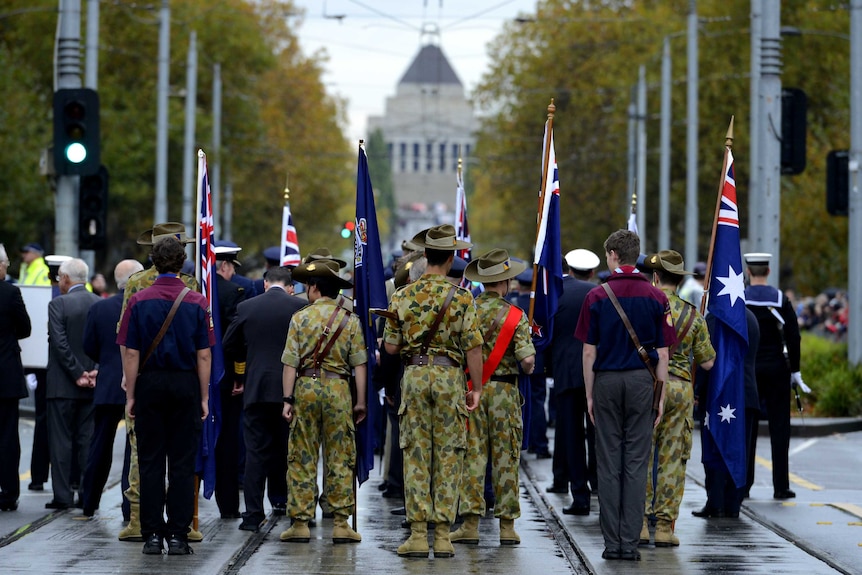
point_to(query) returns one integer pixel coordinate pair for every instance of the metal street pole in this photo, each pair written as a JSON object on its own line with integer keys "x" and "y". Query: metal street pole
{"x": 641, "y": 163}
{"x": 755, "y": 194}
{"x": 691, "y": 215}
{"x": 664, "y": 144}
{"x": 854, "y": 242}
{"x": 68, "y": 76}
{"x": 770, "y": 136}
{"x": 632, "y": 139}
{"x": 160, "y": 213}
{"x": 215, "y": 166}
{"x": 91, "y": 80}
{"x": 189, "y": 155}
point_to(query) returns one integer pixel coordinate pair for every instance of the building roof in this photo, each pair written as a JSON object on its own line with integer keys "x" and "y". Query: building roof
{"x": 430, "y": 67}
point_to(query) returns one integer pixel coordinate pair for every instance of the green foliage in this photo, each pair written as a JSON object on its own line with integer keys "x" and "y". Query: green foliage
{"x": 836, "y": 386}
{"x": 276, "y": 119}
{"x": 586, "y": 56}
{"x": 380, "y": 169}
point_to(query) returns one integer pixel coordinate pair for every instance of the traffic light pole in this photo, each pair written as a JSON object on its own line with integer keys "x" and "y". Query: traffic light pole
{"x": 68, "y": 76}
{"x": 854, "y": 245}
{"x": 769, "y": 240}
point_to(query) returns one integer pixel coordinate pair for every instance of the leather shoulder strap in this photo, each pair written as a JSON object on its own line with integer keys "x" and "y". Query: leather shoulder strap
{"x": 682, "y": 327}
{"x": 427, "y": 341}
{"x": 319, "y": 359}
{"x": 320, "y": 338}
{"x": 165, "y": 326}
{"x": 640, "y": 348}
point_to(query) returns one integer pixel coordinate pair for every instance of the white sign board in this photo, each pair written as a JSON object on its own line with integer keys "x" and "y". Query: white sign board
{"x": 34, "y": 349}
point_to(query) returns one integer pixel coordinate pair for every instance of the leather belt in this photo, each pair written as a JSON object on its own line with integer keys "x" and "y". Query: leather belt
{"x": 423, "y": 359}
{"x": 318, "y": 373}
{"x": 510, "y": 378}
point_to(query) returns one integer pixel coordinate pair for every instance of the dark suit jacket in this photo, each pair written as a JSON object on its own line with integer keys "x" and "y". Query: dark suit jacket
{"x": 567, "y": 351}
{"x": 258, "y": 336}
{"x": 100, "y": 344}
{"x": 14, "y": 325}
{"x": 67, "y": 316}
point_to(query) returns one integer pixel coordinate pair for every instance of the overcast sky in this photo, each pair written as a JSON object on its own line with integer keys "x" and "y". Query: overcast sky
{"x": 371, "y": 43}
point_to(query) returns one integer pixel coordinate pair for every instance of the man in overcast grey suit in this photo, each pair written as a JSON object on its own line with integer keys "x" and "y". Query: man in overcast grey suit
{"x": 257, "y": 336}
{"x": 71, "y": 379}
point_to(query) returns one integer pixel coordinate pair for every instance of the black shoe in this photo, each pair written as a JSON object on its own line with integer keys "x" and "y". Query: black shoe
{"x": 9, "y": 506}
{"x": 250, "y": 525}
{"x": 633, "y": 555}
{"x": 36, "y": 486}
{"x": 544, "y": 455}
{"x": 399, "y": 511}
{"x": 54, "y": 504}
{"x": 391, "y": 493}
{"x": 177, "y": 546}
{"x": 708, "y": 512}
{"x": 405, "y": 524}
{"x": 234, "y": 515}
{"x": 784, "y": 494}
{"x": 576, "y": 510}
{"x": 611, "y": 555}
{"x": 153, "y": 546}
{"x": 553, "y": 488}
{"x": 279, "y": 509}
{"x": 383, "y": 486}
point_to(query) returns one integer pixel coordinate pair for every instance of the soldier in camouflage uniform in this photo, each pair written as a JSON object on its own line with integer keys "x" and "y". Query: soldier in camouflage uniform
{"x": 495, "y": 428}
{"x": 433, "y": 412}
{"x": 324, "y": 343}
{"x": 137, "y": 282}
{"x": 672, "y": 436}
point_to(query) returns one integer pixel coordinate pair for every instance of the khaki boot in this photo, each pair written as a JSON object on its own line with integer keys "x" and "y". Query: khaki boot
{"x": 468, "y": 533}
{"x": 194, "y": 535}
{"x": 508, "y": 535}
{"x": 132, "y": 531}
{"x": 664, "y": 536}
{"x": 342, "y": 532}
{"x": 442, "y": 544}
{"x": 644, "y": 538}
{"x": 417, "y": 544}
{"x": 297, "y": 533}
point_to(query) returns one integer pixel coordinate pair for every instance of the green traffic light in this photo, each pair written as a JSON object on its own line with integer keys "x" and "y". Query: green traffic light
{"x": 76, "y": 153}
{"x": 345, "y": 233}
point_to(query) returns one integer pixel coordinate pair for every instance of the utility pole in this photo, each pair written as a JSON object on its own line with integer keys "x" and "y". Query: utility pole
{"x": 770, "y": 137}
{"x": 691, "y": 215}
{"x": 215, "y": 166}
{"x": 641, "y": 163}
{"x": 160, "y": 213}
{"x": 664, "y": 156}
{"x": 68, "y": 76}
{"x": 227, "y": 226}
{"x": 755, "y": 194}
{"x": 91, "y": 80}
{"x": 854, "y": 243}
{"x": 189, "y": 143}
{"x": 632, "y": 138}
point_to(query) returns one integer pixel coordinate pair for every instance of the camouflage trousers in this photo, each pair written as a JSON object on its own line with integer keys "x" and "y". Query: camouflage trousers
{"x": 133, "y": 493}
{"x": 323, "y": 413}
{"x": 672, "y": 441}
{"x": 433, "y": 416}
{"x": 495, "y": 431}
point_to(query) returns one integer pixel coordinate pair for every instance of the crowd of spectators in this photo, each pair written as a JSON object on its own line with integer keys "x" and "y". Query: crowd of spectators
{"x": 825, "y": 314}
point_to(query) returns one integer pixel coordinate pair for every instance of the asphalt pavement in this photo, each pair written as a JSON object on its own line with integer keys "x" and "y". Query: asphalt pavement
{"x": 819, "y": 532}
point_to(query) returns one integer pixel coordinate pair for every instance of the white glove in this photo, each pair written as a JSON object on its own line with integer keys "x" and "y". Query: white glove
{"x": 796, "y": 381}
{"x": 32, "y": 382}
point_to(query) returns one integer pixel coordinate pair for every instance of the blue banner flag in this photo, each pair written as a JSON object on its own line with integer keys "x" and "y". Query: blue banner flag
{"x": 206, "y": 275}
{"x": 369, "y": 291}
{"x": 548, "y": 261}
{"x": 725, "y": 407}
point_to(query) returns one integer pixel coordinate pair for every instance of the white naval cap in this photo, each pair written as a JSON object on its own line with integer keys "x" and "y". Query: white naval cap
{"x": 581, "y": 259}
{"x": 56, "y": 260}
{"x": 757, "y": 258}
{"x": 227, "y": 253}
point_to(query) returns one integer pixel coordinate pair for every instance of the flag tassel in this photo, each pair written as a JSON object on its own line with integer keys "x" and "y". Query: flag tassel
{"x": 728, "y": 144}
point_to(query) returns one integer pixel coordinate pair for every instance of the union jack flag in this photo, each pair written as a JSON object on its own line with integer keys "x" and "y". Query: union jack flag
{"x": 205, "y": 272}
{"x": 289, "y": 242}
{"x": 724, "y": 427}
{"x": 462, "y": 227}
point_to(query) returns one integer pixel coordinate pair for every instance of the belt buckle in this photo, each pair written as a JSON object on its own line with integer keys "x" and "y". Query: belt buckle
{"x": 424, "y": 359}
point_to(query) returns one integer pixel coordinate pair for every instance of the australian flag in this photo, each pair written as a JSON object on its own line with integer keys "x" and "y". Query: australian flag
{"x": 205, "y": 271}
{"x": 289, "y": 242}
{"x": 369, "y": 291}
{"x": 462, "y": 227}
{"x": 724, "y": 425}
{"x": 548, "y": 257}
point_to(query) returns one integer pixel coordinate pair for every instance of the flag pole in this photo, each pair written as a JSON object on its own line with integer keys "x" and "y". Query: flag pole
{"x": 545, "y": 160}
{"x": 202, "y": 158}
{"x": 353, "y": 293}
{"x": 728, "y": 144}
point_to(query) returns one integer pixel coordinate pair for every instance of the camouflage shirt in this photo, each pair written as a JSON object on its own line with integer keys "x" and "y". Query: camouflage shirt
{"x": 144, "y": 279}
{"x": 488, "y": 306}
{"x": 696, "y": 342}
{"x": 417, "y": 304}
{"x": 305, "y": 328}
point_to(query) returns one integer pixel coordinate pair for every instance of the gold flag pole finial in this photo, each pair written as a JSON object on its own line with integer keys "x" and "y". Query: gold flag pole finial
{"x": 728, "y": 139}
{"x": 634, "y": 203}
{"x": 361, "y": 143}
{"x": 551, "y": 109}
{"x": 287, "y": 187}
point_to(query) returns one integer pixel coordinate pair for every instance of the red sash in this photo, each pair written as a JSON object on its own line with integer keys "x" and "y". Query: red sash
{"x": 504, "y": 338}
